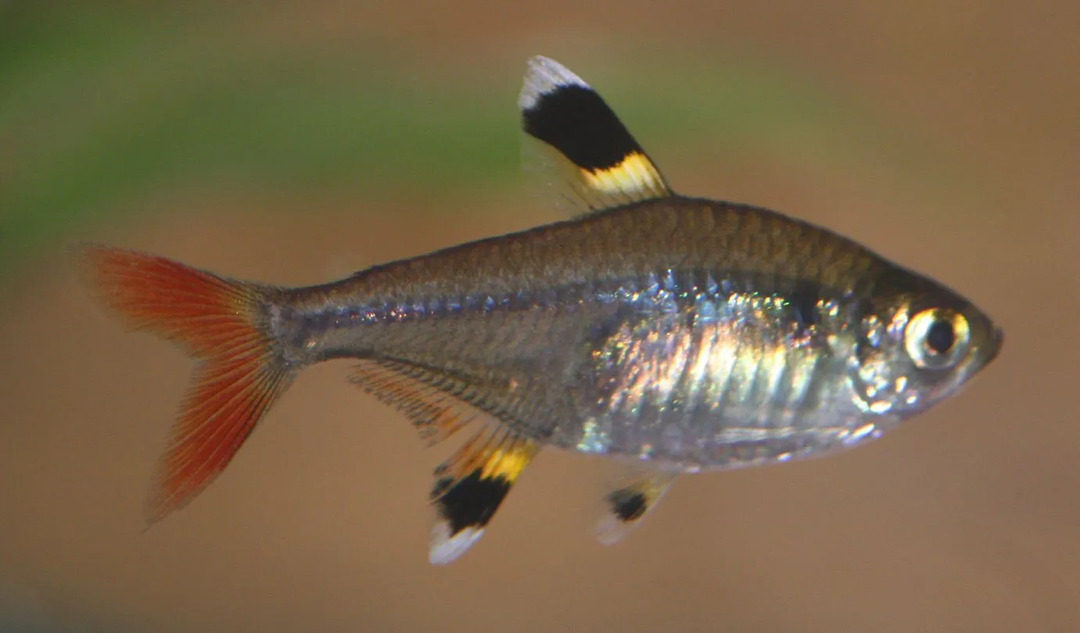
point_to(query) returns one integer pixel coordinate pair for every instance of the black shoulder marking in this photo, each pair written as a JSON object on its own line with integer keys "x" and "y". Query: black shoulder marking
{"x": 804, "y": 303}
{"x": 577, "y": 122}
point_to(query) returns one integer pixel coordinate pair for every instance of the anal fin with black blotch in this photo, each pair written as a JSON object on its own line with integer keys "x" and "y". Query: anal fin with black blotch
{"x": 587, "y": 154}
{"x": 470, "y": 486}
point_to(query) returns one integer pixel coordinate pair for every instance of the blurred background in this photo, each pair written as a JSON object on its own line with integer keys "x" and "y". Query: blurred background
{"x": 295, "y": 142}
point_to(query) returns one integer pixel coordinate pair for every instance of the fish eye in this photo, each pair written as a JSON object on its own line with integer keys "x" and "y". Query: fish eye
{"x": 937, "y": 338}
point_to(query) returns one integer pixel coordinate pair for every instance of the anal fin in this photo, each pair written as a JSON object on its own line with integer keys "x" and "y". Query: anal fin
{"x": 470, "y": 486}
{"x": 435, "y": 402}
{"x": 627, "y": 504}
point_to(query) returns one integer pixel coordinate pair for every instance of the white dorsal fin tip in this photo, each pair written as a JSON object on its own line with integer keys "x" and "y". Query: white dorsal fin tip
{"x": 543, "y": 76}
{"x": 444, "y": 548}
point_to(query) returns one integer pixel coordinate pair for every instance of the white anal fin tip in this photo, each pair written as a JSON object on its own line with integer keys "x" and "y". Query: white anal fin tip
{"x": 543, "y": 76}
{"x": 445, "y": 547}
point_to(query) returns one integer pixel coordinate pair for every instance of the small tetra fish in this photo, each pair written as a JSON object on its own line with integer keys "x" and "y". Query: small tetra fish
{"x": 679, "y": 334}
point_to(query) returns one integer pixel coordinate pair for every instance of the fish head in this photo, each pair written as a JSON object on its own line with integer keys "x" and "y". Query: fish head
{"x": 917, "y": 343}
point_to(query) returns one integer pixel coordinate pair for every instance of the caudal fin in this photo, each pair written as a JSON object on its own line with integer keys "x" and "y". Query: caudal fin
{"x": 217, "y": 321}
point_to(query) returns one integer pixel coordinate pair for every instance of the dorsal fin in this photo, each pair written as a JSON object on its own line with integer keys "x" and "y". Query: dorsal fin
{"x": 597, "y": 164}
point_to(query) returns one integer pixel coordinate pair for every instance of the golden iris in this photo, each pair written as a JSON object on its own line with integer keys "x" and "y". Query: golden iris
{"x": 937, "y": 338}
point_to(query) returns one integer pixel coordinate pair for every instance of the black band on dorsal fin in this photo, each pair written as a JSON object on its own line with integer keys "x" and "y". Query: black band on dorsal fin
{"x": 577, "y": 122}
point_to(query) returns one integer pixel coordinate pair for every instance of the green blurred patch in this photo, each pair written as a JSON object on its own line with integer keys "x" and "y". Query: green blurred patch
{"x": 102, "y": 104}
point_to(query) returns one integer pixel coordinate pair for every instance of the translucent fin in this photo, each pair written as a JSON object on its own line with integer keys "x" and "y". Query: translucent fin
{"x": 588, "y": 155}
{"x": 435, "y": 403}
{"x": 470, "y": 486}
{"x": 214, "y": 319}
{"x": 626, "y": 505}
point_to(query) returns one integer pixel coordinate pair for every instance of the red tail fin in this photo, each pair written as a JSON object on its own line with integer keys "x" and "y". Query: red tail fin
{"x": 216, "y": 320}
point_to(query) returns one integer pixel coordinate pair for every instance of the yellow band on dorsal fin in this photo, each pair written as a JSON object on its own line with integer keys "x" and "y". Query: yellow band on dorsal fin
{"x": 635, "y": 178}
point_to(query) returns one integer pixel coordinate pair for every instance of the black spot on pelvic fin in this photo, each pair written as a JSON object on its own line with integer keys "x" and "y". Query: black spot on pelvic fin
{"x": 471, "y": 501}
{"x": 627, "y": 504}
{"x": 577, "y": 122}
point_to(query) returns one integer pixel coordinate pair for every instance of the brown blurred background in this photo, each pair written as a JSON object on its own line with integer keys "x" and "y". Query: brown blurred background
{"x": 294, "y": 142}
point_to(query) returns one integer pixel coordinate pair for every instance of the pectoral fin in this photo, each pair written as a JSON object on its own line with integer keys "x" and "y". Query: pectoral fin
{"x": 626, "y": 505}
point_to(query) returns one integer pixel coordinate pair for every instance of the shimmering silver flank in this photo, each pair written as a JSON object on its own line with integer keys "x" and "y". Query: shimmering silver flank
{"x": 694, "y": 378}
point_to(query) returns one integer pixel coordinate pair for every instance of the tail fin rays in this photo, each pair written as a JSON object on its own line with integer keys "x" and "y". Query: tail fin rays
{"x": 227, "y": 398}
{"x": 216, "y": 320}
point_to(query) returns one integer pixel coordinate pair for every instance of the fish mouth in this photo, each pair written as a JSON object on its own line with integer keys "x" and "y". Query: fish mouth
{"x": 996, "y": 340}
{"x": 990, "y": 350}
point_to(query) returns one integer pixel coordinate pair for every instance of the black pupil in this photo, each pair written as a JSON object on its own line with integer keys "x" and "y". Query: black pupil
{"x": 940, "y": 337}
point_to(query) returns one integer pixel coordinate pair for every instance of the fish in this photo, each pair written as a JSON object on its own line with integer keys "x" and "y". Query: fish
{"x": 669, "y": 333}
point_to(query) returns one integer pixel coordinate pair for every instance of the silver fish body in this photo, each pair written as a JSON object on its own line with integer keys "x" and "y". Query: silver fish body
{"x": 679, "y": 334}
{"x": 690, "y": 333}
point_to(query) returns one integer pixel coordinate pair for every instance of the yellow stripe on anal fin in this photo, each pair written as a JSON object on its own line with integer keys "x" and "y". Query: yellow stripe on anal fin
{"x": 509, "y": 463}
